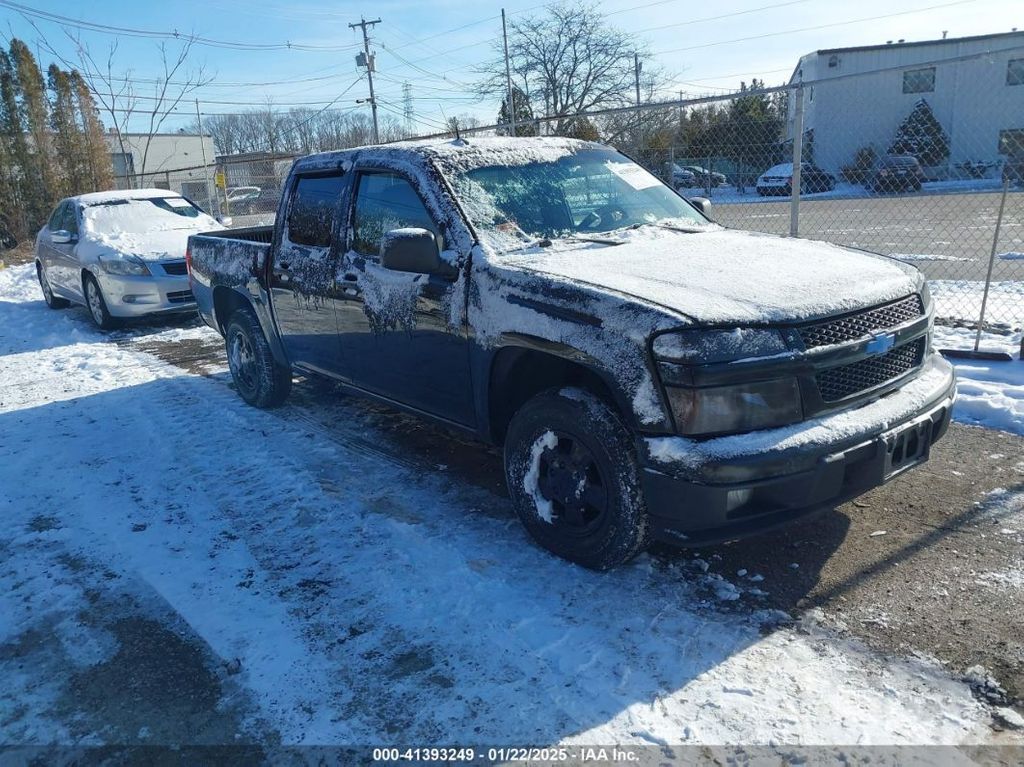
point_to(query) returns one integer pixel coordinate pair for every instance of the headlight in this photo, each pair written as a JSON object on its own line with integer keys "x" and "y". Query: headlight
{"x": 698, "y": 347}
{"x": 123, "y": 265}
{"x": 738, "y": 408}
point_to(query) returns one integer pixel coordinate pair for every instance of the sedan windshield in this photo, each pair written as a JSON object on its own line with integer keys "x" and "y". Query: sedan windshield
{"x": 140, "y": 216}
{"x": 585, "y": 193}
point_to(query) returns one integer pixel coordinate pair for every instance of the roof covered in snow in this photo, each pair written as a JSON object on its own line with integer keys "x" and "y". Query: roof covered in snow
{"x": 474, "y": 151}
{"x": 115, "y": 195}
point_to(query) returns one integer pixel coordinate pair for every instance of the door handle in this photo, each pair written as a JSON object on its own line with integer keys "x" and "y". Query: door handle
{"x": 283, "y": 265}
{"x": 351, "y": 277}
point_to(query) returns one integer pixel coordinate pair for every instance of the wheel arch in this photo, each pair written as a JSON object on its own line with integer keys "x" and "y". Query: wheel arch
{"x": 526, "y": 366}
{"x": 226, "y": 301}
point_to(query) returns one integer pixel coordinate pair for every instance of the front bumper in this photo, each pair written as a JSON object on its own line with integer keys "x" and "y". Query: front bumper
{"x": 701, "y": 492}
{"x": 138, "y": 296}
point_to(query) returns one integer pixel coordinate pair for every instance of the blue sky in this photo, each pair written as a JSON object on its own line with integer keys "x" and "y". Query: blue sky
{"x": 435, "y": 45}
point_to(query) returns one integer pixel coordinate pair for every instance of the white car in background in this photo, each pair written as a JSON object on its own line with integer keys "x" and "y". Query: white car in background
{"x": 121, "y": 254}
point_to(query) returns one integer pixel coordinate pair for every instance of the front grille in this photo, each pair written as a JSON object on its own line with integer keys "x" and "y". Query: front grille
{"x": 177, "y": 268}
{"x": 856, "y": 326}
{"x": 180, "y": 296}
{"x": 846, "y": 380}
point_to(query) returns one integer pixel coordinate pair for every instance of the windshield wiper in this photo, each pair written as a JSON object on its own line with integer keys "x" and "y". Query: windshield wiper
{"x": 683, "y": 229}
{"x": 598, "y": 240}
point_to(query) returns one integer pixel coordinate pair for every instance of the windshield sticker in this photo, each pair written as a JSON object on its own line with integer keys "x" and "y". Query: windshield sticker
{"x": 633, "y": 174}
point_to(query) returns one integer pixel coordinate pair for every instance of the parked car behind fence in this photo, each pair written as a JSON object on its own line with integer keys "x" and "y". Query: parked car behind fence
{"x": 779, "y": 180}
{"x": 896, "y": 173}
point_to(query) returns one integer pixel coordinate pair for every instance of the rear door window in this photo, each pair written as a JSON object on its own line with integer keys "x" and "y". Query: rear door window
{"x": 313, "y": 211}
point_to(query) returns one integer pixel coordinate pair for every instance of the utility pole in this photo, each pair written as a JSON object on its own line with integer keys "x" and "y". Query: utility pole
{"x": 368, "y": 63}
{"x": 508, "y": 76}
{"x": 206, "y": 169}
{"x": 637, "y": 66}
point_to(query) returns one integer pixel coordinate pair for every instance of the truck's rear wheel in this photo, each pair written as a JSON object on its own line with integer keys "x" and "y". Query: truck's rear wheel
{"x": 259, "y": 378}
{"x": 573, "y": 476}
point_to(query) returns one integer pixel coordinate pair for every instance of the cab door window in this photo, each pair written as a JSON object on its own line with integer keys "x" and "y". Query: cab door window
{"x": 386, "y": 201}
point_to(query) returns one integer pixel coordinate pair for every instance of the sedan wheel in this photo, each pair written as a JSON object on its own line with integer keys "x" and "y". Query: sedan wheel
{"x": 51, "y": 300}
{"x": 97, "y": 305}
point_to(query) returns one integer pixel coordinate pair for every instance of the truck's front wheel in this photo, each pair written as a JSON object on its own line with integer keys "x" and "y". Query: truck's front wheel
{"x": 573, "y": 477}
{"x": 260, "y": 379}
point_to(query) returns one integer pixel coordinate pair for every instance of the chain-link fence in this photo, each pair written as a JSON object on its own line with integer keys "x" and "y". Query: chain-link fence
{"x": 923, "y": 163}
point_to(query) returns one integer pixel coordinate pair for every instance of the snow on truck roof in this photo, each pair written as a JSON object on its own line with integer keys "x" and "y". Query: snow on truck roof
{"x": 116, "y": 195}
{"x": 460, "y": 153}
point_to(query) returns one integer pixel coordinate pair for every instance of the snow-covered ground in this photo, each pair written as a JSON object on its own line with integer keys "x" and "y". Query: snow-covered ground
{"x": 360, "y": 593}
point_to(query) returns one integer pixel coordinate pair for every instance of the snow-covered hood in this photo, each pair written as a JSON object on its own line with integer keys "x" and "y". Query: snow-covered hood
{"x": 725, "y": 276}
{"x": 155, "y": 245}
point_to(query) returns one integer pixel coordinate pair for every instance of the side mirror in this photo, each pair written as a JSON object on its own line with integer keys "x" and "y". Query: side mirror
{"x": 412, "y": 250}
{"x": 61, "y": 237}
{"x": 225, "y": 220}
{"x": 703, "y": 204}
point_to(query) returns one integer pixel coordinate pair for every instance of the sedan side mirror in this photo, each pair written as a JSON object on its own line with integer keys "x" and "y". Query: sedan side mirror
{"x": 412, "y": 250}
{"x": 225, "y": 220}
{"x": 61, "y": 237}
{"x": 703, "y": 204}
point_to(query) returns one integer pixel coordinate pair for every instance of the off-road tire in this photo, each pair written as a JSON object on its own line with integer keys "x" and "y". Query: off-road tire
{"x": 52, "y": 301}
{"x": 96, "y": 304}
{"x": 259, "y": 379}
{"x": 616, "y": 534}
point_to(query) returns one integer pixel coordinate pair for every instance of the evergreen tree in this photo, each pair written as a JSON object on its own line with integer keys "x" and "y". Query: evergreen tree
{"x": 921, "y": 135}
{"x": 97, "y": 153}
{"x": 34, "y": 111}
{"x": 523, "y": 115}
{"x": 21, "y": 190}
{"x": 67, "y": 139}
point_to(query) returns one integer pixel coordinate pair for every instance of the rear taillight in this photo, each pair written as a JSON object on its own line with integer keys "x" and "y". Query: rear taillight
{"x": 188, "y": 260}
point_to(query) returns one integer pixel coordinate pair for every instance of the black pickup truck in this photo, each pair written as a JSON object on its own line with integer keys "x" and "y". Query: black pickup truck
{"x": 650, "y": 374}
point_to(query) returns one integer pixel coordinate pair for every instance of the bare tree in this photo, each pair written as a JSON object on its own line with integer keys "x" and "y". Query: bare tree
{"x": 125, "y": 102}
{"x": 569, "y": 60}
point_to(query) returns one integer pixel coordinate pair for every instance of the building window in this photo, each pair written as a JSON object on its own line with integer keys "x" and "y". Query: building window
{"x": 1015, "y": 72}
{"x": 1011, "y": 142}
{"x": 123, "y": 164}
{"x": 919, "y": 80}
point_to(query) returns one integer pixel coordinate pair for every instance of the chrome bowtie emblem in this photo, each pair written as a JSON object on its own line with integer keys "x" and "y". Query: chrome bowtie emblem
{"x": 881, "y": 344}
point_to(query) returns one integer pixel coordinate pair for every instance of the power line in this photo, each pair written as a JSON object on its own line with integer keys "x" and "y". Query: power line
{"x": 171, "y": 35}
{"x": 811, "y": 29}
{"x": 772, "y": 7}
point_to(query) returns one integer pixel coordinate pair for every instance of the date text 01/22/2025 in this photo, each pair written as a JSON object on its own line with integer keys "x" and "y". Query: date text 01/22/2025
{"x": 540, "y": 755}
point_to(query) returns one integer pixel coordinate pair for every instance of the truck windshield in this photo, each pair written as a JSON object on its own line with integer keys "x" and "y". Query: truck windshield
{"x": 587, "y": 192}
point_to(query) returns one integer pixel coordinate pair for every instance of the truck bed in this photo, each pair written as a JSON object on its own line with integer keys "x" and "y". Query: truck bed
{"x": 230, "y": 257}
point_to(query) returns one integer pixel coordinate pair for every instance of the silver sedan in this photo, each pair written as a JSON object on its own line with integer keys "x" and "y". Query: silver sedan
{"x": 120, "y": 254}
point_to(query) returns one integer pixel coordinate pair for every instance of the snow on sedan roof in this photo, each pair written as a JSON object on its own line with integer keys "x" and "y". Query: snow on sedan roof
{"x": 116, "y": 195}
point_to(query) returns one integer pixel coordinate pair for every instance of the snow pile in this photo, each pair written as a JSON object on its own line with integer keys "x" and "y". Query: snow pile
{"x": 141, "y": 227}
{"x": 342, "y": 644}
{"x": 989, "y": 393}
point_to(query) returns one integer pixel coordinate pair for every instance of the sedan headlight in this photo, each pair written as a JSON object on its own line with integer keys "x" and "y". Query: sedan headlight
{"x": 736, "y": 408}
{"x": 124, "y": 264}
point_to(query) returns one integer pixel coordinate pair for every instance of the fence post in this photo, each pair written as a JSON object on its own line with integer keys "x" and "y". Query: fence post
{"x": 798, "y": 151}
{"x": 991, "y": 263}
